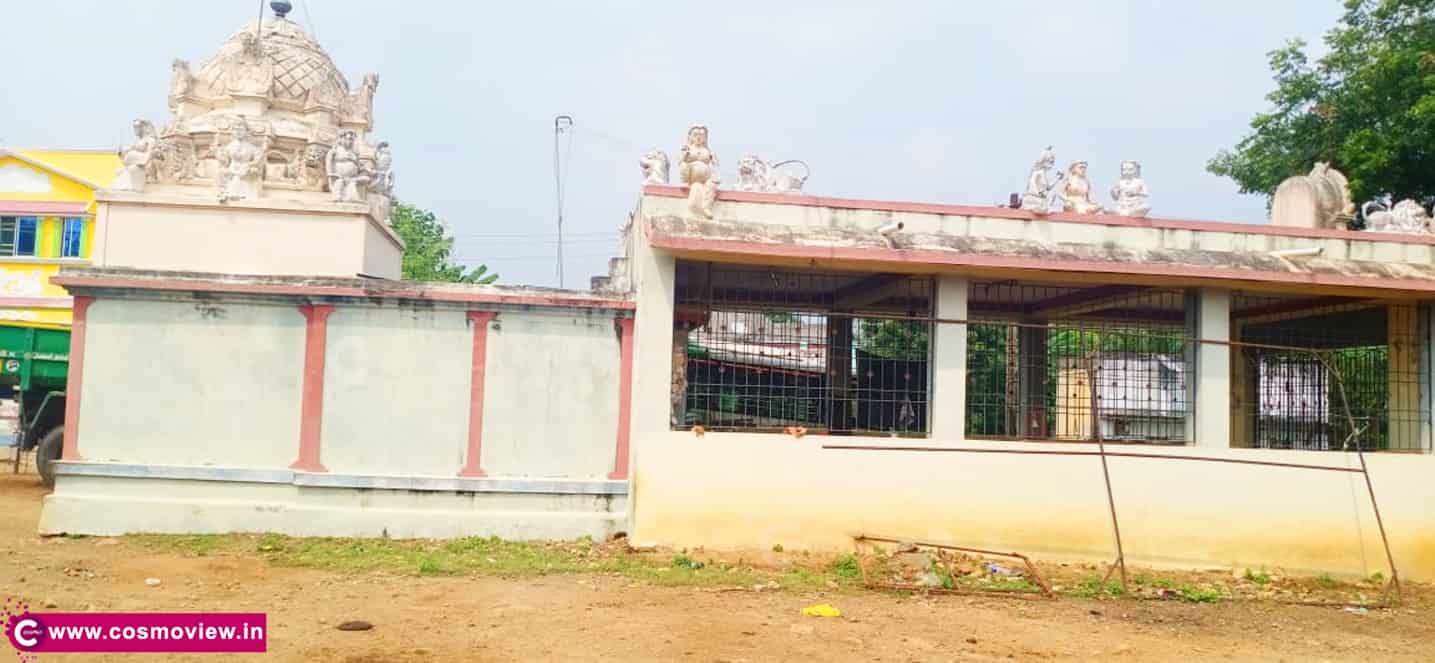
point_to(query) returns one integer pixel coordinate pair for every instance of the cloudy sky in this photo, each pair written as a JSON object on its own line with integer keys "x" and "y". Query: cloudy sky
{"x": 936, "y": 101}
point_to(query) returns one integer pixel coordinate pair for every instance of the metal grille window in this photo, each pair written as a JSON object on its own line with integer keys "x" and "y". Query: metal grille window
{"x": 1074, "y": 362}
{"x": 1328, "y": 373}
{"x": 765, "y": 349}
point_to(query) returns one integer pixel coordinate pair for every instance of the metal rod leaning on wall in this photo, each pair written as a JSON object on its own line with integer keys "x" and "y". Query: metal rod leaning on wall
{"x": 1354, "y": 436}
{"x": 1094, "y": 379}
{"x": 1122, "y": 454}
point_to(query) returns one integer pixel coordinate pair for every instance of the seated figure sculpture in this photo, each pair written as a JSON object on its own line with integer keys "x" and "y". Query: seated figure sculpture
{"x": 1037, "y": 197}
{"x": 698, "y": 169}
{"x": 1077, "y": 192}
{"x": 1131, "y": 194}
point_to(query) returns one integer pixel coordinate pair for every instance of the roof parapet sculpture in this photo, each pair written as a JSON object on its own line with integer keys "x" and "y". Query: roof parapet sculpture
{"x": 1076, "y": 195}
{"x": 1406, "y": 216}
{"x": 1038, "y": 195}
{"x": 1132, "y": 196}
{"x": 1319, "y": 200}
{"x": 262, "y": 118}
{"x": 698, "y": 169}
{"x": 756, "y": 175}
{"x": 135, "y": 159}
{"x": 654, "y": 163}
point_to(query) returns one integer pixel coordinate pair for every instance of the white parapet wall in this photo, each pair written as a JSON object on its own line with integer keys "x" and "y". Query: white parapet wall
{"x": 732, "y": 490}
{"x": 340, "y": 407}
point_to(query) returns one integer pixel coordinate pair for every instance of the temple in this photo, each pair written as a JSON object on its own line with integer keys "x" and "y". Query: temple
{"x": 265, "y": 167}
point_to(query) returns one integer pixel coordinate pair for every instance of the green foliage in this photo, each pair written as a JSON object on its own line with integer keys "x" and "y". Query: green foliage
{"x": 1093, "y": 587}
{"x": 1367, "y": 106}
{"x": 1194, "y": 594}
{"x": 1324, "y": 581}
{"x": 685, "y": 562}
{"x": 896, "y": 339}
{"x": 845, "y": 566}
{"x": 428, "y": 248}
{"x": 1260, "y": 578}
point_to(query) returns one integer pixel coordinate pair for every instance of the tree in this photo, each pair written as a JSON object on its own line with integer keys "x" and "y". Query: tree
{"x": 428, "y": 247}
{"x": 1367, "y": 107}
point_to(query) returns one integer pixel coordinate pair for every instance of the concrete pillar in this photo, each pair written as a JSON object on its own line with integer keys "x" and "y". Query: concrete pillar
{"x": 1403, "y": 377}
{"x": 839, "y": 373}
{"x": 1427, "y": 377}
{"x": 1033, "y": 359}
{"x": 653, "y": 274}
{"x": 949, "y": 361}
{"x": 1245, "y": 379}
{"x": 1213, "y": 369}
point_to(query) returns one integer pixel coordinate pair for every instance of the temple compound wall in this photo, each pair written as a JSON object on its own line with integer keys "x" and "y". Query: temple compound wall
{"x": 340, "y": 407}
{"x": 811, "y": 368}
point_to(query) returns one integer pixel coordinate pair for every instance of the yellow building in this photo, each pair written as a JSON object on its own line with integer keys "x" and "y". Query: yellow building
{"x": 47, "y": 219}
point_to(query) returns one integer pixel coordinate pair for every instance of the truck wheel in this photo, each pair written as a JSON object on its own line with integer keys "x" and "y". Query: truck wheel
{"x": 48, "y": 451}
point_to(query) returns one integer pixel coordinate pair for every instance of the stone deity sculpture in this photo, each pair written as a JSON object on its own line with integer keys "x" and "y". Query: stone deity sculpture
{"x": 655, "y": 166}
{"x": 381, "y": 182}
{"x": 341, "y": 166}
{"x": 1131, "y": 194}
{"x": 136, "y": 158}
{"x": 1407, "y": 216}
{"x": 1077, "y": 192}
{"x": 1037, "y": 197}
{"x": 698, "y": 169}
{"x": 181, "y": 81}
{"x": 241, "y": 164}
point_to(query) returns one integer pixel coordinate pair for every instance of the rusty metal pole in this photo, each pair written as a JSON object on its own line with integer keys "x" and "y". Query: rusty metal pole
{"x": 1095, "y": 380}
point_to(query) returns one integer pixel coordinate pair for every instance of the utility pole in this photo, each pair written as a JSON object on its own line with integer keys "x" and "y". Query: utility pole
{"x": 561, "y": 123}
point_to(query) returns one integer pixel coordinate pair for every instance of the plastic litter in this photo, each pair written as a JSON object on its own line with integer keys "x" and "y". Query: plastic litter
{"x": 821, "y": 610}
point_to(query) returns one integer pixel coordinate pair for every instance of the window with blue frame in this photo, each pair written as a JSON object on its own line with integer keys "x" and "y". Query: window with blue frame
{"x": 71, "y": 235}
{"x": 26, "y": 232}
{"x": 18, "y": 234}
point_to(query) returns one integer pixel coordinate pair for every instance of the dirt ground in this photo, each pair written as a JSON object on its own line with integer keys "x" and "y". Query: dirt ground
{"x": 606, "y": 618}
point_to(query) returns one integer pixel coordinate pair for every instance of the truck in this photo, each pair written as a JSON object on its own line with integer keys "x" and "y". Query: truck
{"x": 34, "y": 362}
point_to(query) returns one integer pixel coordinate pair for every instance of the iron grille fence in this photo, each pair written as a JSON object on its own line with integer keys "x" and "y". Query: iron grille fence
{"x": 1328, "y": 374}
{"x": 835, "y": 352}
{"x": 1074, "y": 362}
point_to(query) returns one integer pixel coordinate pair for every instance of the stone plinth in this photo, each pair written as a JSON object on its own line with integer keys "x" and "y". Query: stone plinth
{"x": 278, "y": 236}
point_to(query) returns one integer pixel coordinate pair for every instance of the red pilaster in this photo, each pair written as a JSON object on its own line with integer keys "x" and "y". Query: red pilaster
{"x": 625, "y": 398}
{"x": 74, "y": 379}
{"x": 311, "y": 408}
{"x": 480, "y": 320}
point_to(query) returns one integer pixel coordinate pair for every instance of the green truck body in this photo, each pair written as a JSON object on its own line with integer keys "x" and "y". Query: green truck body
{"x": 35, "y": 361}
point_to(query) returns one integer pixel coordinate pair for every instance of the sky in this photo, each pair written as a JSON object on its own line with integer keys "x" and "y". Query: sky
{"x": 944, "y": 101}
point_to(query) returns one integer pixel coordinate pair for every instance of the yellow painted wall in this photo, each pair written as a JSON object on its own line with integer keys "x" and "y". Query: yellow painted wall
{"x": 30, "y": 277}
{"x": 735, "y": 491}
{"x": 61, "y": 188}
{"x": 99, "y": 168}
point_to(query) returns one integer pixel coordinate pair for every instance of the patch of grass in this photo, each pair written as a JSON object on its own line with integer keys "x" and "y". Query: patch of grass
{"x": 432, "y": 566}
{"x": 1014, "y": 585}
{"x": 270, "y": 543}
{"x": 1260, "y": 578}
{"x": 845, "y": 566}
{"x": 1324, "y": 581}
{"x": 685, "y": 562}
{"x": 194, "y": 545}
{"x": 1093, "y": 587}
{"x": 777, "y": 547}
{"x": 1194, "y": 594}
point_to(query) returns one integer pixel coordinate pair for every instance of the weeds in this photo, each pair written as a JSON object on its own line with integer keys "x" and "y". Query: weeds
{"x": 1092, "y": 587}
{"x": 1260, "y": 578}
